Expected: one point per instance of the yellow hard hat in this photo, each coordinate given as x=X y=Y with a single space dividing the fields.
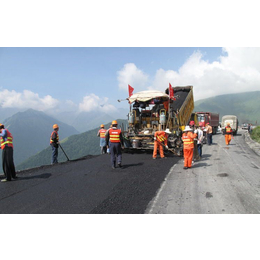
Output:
x=102 y=125
x=55 y=126
x=114 y=122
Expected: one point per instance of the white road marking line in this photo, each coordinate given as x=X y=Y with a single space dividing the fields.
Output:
x=160 y=190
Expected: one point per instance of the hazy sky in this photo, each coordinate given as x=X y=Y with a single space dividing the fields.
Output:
x=95 y=78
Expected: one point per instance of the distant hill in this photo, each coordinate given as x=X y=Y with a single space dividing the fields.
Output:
x=85 y=121
x=31 y=131
x=246 y=106
x=8 y=112
x=75 y=146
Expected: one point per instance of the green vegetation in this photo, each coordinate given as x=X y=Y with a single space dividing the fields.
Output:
x=31 y=131
x=246 y=106
x=255 y=135
x=75 y=146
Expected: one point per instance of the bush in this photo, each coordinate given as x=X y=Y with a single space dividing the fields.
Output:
x=255 y=135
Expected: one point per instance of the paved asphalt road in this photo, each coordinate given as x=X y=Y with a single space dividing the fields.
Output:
x=88 y=185
x=226 y=180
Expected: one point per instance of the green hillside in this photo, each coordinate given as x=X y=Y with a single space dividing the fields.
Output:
x=31 y=131
x=246 y=106
x=75 y=146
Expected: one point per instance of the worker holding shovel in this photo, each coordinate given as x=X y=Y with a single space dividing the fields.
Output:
x=160 y=139
x=54 y=142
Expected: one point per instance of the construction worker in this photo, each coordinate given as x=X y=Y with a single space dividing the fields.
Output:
x=101 y=133
x=228 y=133
x=195 y=149
x=115 y=141
x=200 y=138
x=188 y=145
x=160 y=138
x=209 y=133
x=54 y=142
x=108 y=151
x=7 y=154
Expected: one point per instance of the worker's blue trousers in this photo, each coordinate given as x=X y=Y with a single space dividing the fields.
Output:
x=116 y=152
x=54 y=158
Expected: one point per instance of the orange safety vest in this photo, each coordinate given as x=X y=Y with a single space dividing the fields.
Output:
x=8 y=142
x=51 y=141
x=114 y=135
x=102 y=133
x=187 y=139
x=228 y=130
x=161 y=137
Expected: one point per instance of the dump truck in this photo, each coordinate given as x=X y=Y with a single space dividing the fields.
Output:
x=152 y=111
x=209 y=117
x=232 y=120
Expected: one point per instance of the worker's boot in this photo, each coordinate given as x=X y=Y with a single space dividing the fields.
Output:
x=114 y=165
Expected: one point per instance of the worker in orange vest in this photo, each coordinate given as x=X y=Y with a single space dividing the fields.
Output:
x=160 y=138
x=188 y=145
x=54 y=142
x=228 y=133
x=115 y=142
x=7 y=154
x=101 y=133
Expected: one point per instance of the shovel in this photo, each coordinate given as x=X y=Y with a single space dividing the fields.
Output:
x=64 y=152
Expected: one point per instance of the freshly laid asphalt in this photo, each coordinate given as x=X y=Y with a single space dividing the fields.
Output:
x=225 y=181
x=88 y=185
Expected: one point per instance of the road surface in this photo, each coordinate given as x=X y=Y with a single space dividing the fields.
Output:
x=226 y=180
x=88 y=185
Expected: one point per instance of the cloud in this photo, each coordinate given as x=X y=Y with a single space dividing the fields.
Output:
x=93 y=102
x=236 y=70
x=133 y=76
x=26 y=99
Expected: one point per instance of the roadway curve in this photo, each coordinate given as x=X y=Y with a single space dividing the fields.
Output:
x=226 y=180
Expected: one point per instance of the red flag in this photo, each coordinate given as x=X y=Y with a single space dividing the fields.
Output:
x=171 y=92
x=130 y=90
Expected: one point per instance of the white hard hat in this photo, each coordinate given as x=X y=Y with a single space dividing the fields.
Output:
x=146 y=132
x=167 y=131
x=187 y=128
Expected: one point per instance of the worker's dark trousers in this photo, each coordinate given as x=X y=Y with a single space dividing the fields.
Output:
x=8 y=163
x=54 y=158
x=115 y=150
x=209 y=137
x=199 y=146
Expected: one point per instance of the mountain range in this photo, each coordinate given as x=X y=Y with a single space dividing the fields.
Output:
x=31 y=131
x=75 y=147
x=81 y=121
x=246 y=106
